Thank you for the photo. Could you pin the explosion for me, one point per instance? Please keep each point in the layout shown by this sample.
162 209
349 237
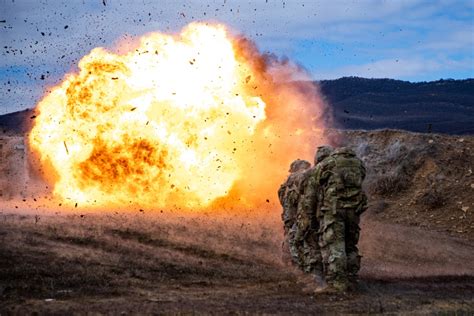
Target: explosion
187 121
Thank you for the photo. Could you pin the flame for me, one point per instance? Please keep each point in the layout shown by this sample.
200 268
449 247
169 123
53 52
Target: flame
185 121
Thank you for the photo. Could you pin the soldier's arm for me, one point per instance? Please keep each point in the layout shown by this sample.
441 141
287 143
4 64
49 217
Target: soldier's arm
317 174
309 198
281 192
306 206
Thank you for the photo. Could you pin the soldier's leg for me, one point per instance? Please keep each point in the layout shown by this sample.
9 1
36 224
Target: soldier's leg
285 250
311 251
312 255
323 247
295 246
317 260
333 251
300 246
352 238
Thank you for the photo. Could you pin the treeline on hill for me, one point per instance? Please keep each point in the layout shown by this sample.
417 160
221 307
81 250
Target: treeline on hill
444 106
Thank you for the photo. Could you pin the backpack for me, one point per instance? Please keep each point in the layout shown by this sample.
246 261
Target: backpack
344 176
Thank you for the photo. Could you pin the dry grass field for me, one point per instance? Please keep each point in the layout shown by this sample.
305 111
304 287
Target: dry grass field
114 263
416 258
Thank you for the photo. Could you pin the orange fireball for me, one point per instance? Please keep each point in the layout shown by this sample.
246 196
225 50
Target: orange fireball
176 122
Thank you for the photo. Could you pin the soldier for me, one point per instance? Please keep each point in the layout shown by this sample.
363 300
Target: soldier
308 225
289 195
342 202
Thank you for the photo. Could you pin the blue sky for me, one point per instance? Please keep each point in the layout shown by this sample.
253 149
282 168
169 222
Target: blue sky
409 40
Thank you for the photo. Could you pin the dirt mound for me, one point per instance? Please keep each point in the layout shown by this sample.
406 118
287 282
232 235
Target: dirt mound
422 180
13 167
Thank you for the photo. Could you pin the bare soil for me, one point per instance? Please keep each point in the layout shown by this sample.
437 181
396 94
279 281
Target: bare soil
424 180
160 263
417 242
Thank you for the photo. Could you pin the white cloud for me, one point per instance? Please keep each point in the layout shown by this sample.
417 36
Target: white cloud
416 32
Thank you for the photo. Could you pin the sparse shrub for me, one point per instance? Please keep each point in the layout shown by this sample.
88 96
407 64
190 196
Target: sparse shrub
389 184
432 199
396 151
362 149
395 168
379 206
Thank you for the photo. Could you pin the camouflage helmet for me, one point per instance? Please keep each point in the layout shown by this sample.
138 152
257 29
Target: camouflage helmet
344 151
323 152
298 165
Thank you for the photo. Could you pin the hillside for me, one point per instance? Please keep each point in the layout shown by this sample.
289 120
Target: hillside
416 179
17 122
444 106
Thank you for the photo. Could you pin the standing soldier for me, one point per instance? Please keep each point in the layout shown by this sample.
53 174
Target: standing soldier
342 202
307 222
289 195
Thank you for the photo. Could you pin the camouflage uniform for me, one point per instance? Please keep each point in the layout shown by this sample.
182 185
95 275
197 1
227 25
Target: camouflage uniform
306 238
308 224
289 195
340 177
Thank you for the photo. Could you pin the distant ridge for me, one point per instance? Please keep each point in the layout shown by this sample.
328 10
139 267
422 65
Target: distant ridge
17 122
443 106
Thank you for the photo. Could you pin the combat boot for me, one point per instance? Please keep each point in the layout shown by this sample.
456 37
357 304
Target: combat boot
320 281
332 288
353 284
341 286
325 289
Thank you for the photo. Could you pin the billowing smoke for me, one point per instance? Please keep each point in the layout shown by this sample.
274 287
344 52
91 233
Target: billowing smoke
198 120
